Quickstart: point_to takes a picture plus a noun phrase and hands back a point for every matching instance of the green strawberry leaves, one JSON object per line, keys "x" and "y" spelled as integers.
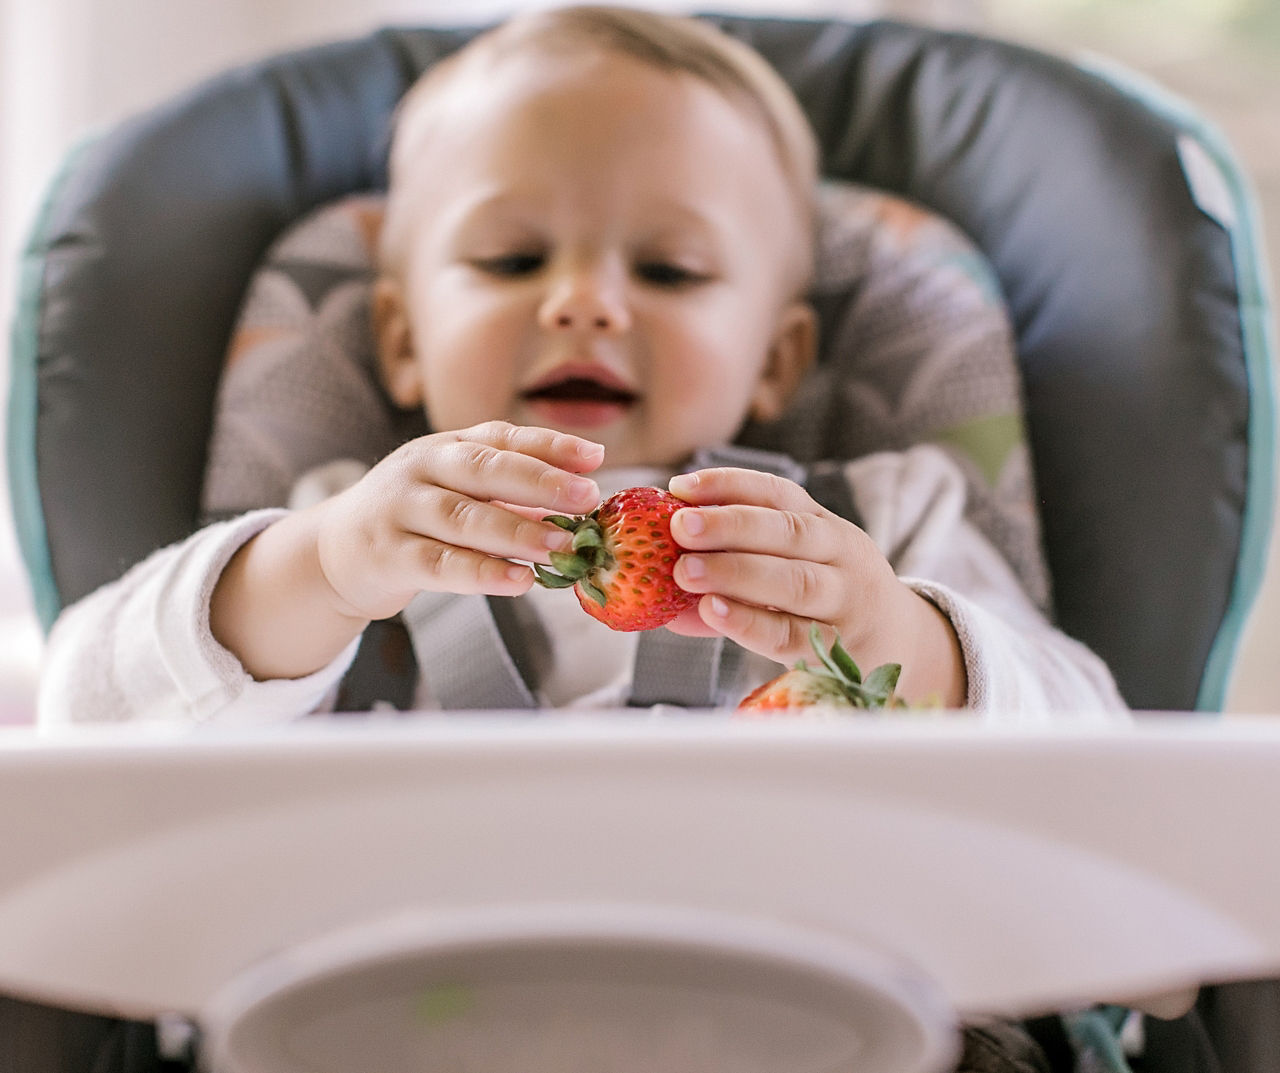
{"x": 838, "y": 662}
{"x": 551, "y": 581}
{"x": 587, "y": 537}
{"x": 594, "y": 592}
{"x": 571, "y": 566}
{"x": 876, "y": 691}
{"x": 881, "y": 683}
{"x": 587, "y": 554}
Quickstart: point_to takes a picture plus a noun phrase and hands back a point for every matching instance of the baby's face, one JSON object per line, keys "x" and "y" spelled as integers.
{"x": 605, "y": 249}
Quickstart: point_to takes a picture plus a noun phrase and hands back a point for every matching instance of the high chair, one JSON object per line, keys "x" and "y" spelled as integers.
{"x": 1122, "y": 234}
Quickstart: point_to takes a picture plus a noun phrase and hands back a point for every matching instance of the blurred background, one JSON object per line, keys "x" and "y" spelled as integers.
{"x": 68, "y": 67}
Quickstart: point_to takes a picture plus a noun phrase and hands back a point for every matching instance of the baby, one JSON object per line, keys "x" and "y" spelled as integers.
{"x": 597, "y": 245}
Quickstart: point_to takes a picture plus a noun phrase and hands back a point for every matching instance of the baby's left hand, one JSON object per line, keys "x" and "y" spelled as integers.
{"x": 771, "y": 561}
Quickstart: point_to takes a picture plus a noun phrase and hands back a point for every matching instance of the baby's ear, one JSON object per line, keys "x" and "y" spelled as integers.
{"x": 393, "y": 337}
{"x": 791, "y": 353}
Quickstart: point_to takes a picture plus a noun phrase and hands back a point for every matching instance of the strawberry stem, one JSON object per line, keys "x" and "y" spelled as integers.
{"x": 588, "y": 554}
{"x": 587, "y": 537}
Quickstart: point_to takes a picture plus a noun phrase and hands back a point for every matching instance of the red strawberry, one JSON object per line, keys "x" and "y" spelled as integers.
{"x": 839, "y": 684}
{"x": 622, "y": 558}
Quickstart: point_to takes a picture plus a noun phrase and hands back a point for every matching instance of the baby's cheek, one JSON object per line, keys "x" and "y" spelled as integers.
{"x": 468, "y": 402}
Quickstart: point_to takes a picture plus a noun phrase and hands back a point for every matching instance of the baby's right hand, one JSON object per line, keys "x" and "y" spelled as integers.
{"x": 434, "y": 515}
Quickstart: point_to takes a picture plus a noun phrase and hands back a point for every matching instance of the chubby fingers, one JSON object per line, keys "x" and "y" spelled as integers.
{"x": 520, "y": 464}
{"x": 434, "y": 514}
{"x": 757, "y": 516}
{"x": 730, "y": 485}
{"x": 488, "y": 488}
{"x": 463, "y": 544}
{"x": 800, "y": 588}
{"x": 768, "y": 560}
{"x": 781, "y": 636}
{"x": 375, "y": 558}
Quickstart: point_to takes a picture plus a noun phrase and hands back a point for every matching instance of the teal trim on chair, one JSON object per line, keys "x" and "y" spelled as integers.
{"x": 24, "y": 477}
{"x": 1256, "y": 328}
{"x": 1095, "y": 1035}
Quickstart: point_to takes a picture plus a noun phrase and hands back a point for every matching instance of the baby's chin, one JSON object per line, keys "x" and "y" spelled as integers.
{"x": 627, "y": 444}
{"x": 624, "y": 456}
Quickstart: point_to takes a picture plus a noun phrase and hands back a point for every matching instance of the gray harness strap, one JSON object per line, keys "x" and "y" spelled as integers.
{"x": 461, "y": 652}
{"x": 692, "y": 672}
{"x": 750, "y": 458}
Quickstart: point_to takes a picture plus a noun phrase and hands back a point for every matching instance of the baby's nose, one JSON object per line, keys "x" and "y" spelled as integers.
{"x": 586, "y": 301}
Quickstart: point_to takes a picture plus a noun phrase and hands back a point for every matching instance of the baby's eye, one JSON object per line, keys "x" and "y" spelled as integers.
{"x": 510, "y": 265}
{"x": 666, "y": 274}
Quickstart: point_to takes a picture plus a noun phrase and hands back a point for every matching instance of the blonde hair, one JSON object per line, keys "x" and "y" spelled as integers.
{"x": 671, "y": 43}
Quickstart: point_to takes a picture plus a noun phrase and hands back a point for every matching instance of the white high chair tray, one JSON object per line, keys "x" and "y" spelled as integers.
{"x": 146, "y": 871}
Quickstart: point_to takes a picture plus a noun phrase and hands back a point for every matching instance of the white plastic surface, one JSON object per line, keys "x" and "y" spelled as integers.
{"x": 1019, "y": 870}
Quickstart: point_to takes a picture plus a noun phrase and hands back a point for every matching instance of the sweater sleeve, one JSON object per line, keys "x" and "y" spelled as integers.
{"x": 141, "y": 649}
{"x": 1020, "y": 668}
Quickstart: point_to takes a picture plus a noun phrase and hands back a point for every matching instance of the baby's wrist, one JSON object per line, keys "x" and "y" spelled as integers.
{"x": 936, "y": 673}
{"x": 318, "y": 558}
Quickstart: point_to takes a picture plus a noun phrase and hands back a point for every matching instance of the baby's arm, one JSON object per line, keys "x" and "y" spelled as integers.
{"x": 139, "y": 647}
{"x": 433, "y": 516}
{"x": 1015, "y": 665}
{"x": 142, "y": 648}
{"x": 772, "y": 561}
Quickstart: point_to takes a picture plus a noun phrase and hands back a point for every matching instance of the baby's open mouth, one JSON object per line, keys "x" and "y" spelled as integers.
{"x": 580, "y": 399}
{"x": 581, "y": 389}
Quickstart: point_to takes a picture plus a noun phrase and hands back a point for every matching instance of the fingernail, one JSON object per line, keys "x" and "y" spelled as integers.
{"x": 719, "y": 608}
{"x": 591, "y": 452}
{"x": 583, "y": 490}
{"x": 516, "y": 573}
{"x": 557, "y": 540}
{"x": 682, "y": 483}
{"x": 694, "y": 566}
{"x": 693, "y": 521}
